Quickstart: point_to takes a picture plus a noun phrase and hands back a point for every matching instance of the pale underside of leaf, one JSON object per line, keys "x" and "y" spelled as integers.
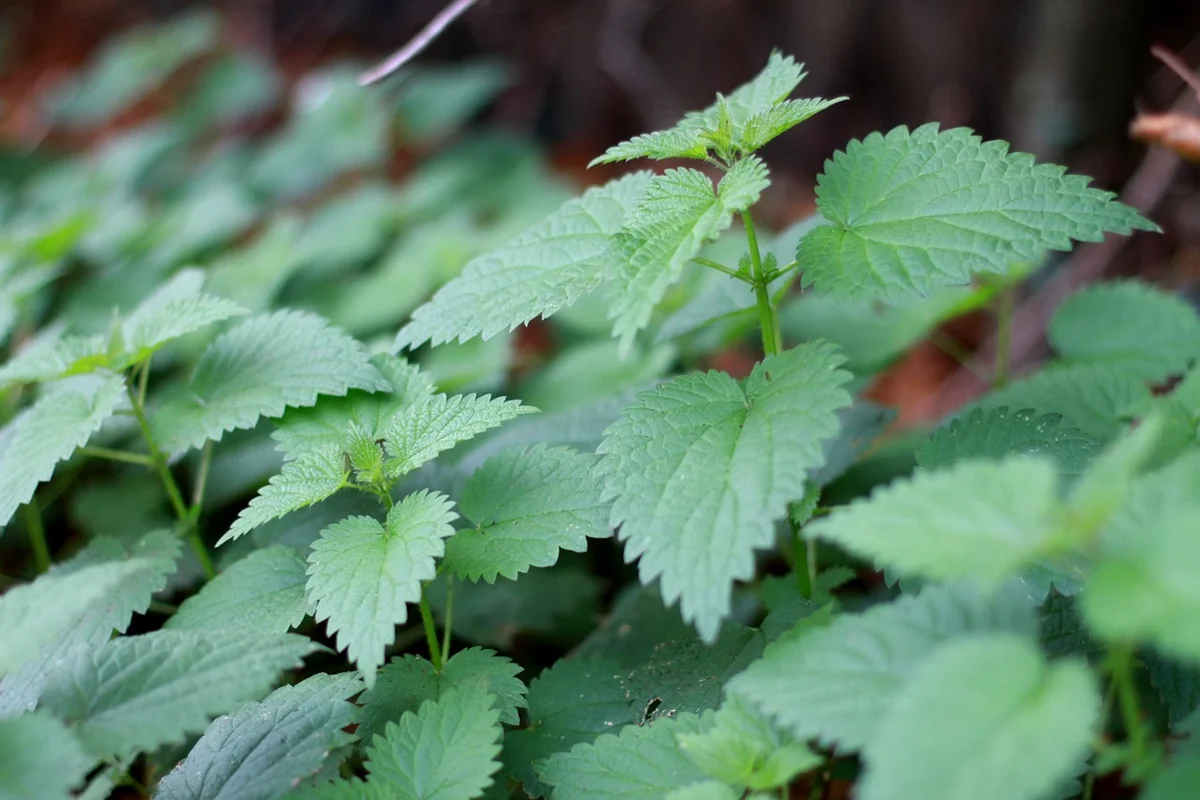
{"x": 309, "y": 479}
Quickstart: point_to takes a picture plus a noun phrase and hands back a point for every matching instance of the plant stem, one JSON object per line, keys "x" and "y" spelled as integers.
{"x": 1110, "y": 696}
{"x": 704, "y": 262}
{"x": 1121, "y": 669}
{"x": 158, "y": 460}
{"x": 1004, "y": 315}
{"x": 201, "y": 479}
{"x": 32, "y": 515}
{"x": 435, "y": 652}
{"x": 449, "y": 617}
{"x": 117, "y": 455}
{"x": 768, "y": 320}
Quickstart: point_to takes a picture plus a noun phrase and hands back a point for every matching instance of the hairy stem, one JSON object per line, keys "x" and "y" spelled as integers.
{"x": 116, "y": 455}
{"x": 719, "y": 267}
{"x": 32, "y": 515}
{"x": 201, "y": 479}
{"x": 449, "y": 617}
{"x": 158, "y": 460}
{"x": 435, "y": 650}
{"x": 768, "y": 320}
{"x": 1121, "y": 669}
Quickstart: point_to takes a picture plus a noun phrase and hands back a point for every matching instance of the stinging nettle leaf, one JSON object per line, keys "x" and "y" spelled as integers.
{"x": 527, "y": 505}
{"x": 407, "y": 682}
{"x": 259, "y": 368}
{"x": 979, "y": 519}
{"x": 678, "y": 212}
{"x": 362, "y": 574}
{"x": 135, "y": 693}
{"x": 701, "y": 468}
{"x": 421, "y": 431}
{"x": 835, "y": 683}
{"x": 172, "y": 310}
{"x": 263, "y": 592}
{"x": 311, "y": 478}
{"x": 40, "y": 758}
{"x": 548, "y": 267}
{"x": 909, "y": 211}
{"x": 53, "y": 357}
{"x": 445, "y": 751}
{"x": 998, "y": 432}
{"x": 1128, "y": 324}
{"x": 49, "y": 431}
{"x": 985, "y": 717}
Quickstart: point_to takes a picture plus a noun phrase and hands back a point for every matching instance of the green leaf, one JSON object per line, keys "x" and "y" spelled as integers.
{"x": 642, "y": 762}
{"x": 1143, "y": 589}
{"x": 1178, "y": 686}
{"x": 998, "y": 432}
{"x": 135, "y": 693}
{"x": 311, "y": 478}
{"x": 421, "y": 431}
{"x": 362, "y": 574}
{"x": 745, "y": 750}
{"x": 711, "y": 790}
{"x": 62, "y": 419}
{"x": 261, "y": 367}
{"x": 1062, "y": 630}
{"x": 40, "y": 758}
{"x": 326, "y": 423}
{"x": 549, "y": 266}
{"x": 985, "y": 717}
{"x": 262, "y": 750}
{"x": 754, "y": 113}
{"x": 175, "y": 309}
{"x": 51, "y": 357}
{"x": 1177, "y": 782}
{"x": 1129, "y": 325}
{"x": 834, "y": 683}
{"x": 701, "y": 468}
{"x": 527, "y": 505}
{"x": 785, "y": 605}
{"x": 910, "y": 211}
{"x": 262, "y": 592}
{"x": 445, "y": 751}
{"x": 572, "y": 702}
{"x": 980, "y": 519}
{"x": 407, "y": 682}
{"x": 677, "y": 213}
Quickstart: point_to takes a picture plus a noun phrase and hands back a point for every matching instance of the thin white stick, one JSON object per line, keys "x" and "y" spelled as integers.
{"x": 417, "y": 43}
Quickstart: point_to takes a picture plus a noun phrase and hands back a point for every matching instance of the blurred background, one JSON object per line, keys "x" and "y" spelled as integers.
{"x": 245, "y": 118}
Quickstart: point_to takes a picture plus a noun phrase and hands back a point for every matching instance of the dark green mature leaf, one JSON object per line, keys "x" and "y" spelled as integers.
{"x": 910, "y": 211}
{"x": 977, "y": 519}
{"x": 362, "y": 574}
{"x": 1144, "y": 589}
{"x": 316, "y": 475}
{"x": 262, "y": 592}
{"x": 834, "y": 683}
{"x": 174, "y": 309}
{"x": 571, "y": 702}
{"x": 263, "y": 366}
{"x": 445, "y": 751}
{"x": 62, "y": 419}
{"x": 985, "y": 717}
{"x": 526, "y": 504}
{"x": 998, "y": 432}
{"x": 1177, "y": 684}
{"x": 263, "y": 748}
{"x": 408, "y": 681}
{"x": 677, "y": 213}
{"x": 135, "y": 693}
{"x": 700, "y": 469}
{"x": 1129, "y": 325}
{"x": 40, "y": 758}
{"x": 546, "y": 268}
{"x": 641, "y": 762}
{"x": 40, "y": 613}
{"x": 1063, "y": 632}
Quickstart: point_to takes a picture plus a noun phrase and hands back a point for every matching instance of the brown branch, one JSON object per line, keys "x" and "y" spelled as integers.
{"x": 418, "y": 43}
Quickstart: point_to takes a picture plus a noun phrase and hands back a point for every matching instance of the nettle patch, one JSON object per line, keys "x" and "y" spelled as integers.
{"x": 1038, "y": 624}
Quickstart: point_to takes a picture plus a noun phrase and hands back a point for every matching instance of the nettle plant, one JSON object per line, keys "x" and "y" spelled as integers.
{"x": 1038, "y": 624}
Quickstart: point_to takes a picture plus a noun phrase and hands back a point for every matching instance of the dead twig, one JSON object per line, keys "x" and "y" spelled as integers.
{"x": 418, "y": 43}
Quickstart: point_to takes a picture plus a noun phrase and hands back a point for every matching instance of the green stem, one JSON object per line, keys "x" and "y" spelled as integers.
{"x": 435, "y": 651}
{"x": 32, "y": 515}
{"x": 1121, "y": 669}
{"x": 704, "y": 262}
{"x": 449, "y": 616}
{"x": 1110, "y": 696}
{"x": 768, "y": 320}
{"x": 201, "y": 479}
{"x": 800, "y": 565}
{"x": 117, "y": 455}
{"x": 1004, "y": 315}
{"x": 158, "y": 460}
